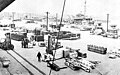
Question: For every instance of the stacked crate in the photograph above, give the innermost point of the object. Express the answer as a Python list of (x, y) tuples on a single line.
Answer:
[(39, 38), (97, 49), (65, 53), (80, 54)]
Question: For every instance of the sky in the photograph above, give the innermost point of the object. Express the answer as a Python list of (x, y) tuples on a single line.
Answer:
[(94, 8)]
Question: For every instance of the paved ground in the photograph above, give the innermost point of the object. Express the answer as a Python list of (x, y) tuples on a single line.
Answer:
[(107, 67), (14, 68)]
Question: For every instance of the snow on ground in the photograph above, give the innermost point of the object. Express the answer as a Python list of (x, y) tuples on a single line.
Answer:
[(108, 66)]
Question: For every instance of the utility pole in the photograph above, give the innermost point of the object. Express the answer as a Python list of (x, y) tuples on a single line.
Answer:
[(47, 21), (107, 21)]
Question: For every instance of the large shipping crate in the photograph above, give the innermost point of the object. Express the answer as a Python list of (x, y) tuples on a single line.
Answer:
[(39, 38), (97, 49)]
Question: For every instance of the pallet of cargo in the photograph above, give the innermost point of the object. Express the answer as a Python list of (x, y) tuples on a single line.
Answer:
[(97, 49), (69, 52)]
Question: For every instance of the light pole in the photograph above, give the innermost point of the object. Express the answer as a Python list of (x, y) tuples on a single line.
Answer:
[(107, 21), (47, 21)]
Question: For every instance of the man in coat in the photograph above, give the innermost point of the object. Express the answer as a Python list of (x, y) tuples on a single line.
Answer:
[(39, 56)]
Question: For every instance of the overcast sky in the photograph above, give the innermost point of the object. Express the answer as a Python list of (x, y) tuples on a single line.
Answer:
[(96, 8)]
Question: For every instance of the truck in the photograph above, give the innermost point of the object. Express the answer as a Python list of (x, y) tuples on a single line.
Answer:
[(70, 53), (97, 30), (79, 63), (5, 45), (114, 53), (53, 66), (111, 33)]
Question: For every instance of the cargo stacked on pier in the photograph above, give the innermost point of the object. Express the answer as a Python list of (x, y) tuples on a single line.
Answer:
[(97, 49)]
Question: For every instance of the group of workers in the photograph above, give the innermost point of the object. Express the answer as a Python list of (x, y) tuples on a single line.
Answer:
[(24, 43)]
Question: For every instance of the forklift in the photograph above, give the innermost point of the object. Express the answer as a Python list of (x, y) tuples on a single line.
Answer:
[(6, 43)]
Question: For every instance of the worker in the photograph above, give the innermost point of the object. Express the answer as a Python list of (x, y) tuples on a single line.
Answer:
[(39, 56), (26, 41), (7, 41), (22, 43)]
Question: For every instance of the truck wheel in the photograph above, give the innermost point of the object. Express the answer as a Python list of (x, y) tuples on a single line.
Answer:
[(11, 47), (88, 70), (72, 66), (66, 63), (57, 69)]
